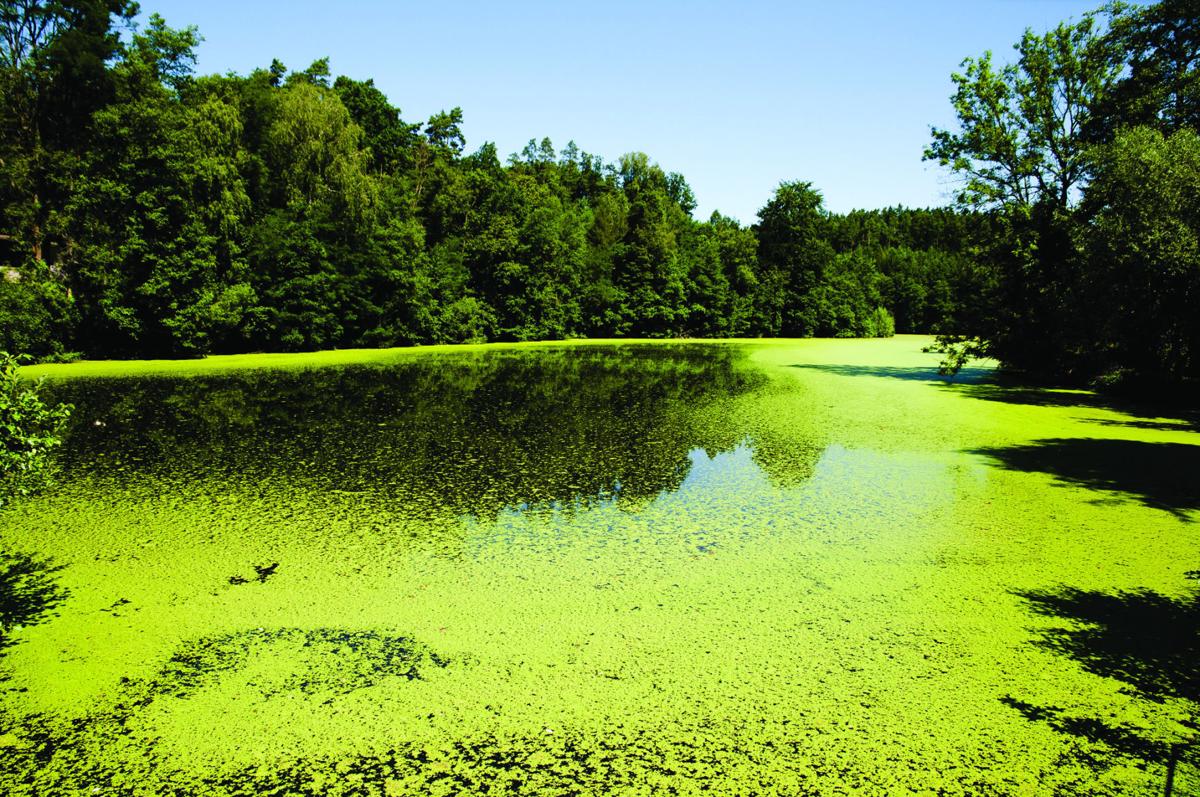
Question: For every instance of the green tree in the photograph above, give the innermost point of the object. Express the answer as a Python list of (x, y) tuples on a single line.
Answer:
[(647, 268), (53, 76), (793, 254), (160, 211), (1021, 152), (316, 156), (737, 247), (1161, 86), (1020, 137), (389, 139), (36, 312), (1144, 249)]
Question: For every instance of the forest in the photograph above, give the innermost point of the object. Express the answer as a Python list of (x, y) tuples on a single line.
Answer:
[(146, 210)]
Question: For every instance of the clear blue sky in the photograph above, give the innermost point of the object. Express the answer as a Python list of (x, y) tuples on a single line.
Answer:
[(737, 96)]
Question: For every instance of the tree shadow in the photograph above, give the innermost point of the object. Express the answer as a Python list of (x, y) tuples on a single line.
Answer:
[(1153, 426), (1165, 411), (28, 593), (1145, 414), (1148, 641), (1159, 475), (1158, 408), (1121, 739), (930, 374)]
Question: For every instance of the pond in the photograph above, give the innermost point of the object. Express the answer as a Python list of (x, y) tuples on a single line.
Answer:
[(765, 567)]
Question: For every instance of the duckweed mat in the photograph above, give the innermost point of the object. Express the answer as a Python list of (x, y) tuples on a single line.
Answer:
[(755, 567)]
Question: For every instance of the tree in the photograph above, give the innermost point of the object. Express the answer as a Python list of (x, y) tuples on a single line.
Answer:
[(1020, 138), (389, 139), (793, 254), (316, 155), (737, 247), (1161, 87), (53, 76), (647, 269), (1022, 154), (36, 313), (1144, 249), (160, 211)]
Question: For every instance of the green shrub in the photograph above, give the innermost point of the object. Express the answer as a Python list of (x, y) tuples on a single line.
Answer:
[(29, 432), (35, 313), (880, 324)]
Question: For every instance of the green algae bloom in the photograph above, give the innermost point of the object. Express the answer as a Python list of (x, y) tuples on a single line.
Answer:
[(756, 567)]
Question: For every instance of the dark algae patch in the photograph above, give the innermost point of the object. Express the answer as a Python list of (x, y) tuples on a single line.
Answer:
[(770, 568)]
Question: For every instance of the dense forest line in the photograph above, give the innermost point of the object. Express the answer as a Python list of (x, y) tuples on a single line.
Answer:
[(146, 210), (150, 211)]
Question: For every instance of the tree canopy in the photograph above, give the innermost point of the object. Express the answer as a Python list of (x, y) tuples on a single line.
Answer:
[(147, 210)]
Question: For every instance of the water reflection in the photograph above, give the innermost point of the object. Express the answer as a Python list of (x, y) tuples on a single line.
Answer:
[(477, 433)]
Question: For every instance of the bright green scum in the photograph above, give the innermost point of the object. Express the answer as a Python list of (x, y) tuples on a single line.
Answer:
[(778, 567)]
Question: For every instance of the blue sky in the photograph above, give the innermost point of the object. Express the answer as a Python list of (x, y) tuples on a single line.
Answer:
[(735, 96)]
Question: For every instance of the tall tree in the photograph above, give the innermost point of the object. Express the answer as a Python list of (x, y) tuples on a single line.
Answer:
[(648, 271), (53, 76), (159, 216), (1021, 153), (793, 254), (1020, 136), (1144, 252)]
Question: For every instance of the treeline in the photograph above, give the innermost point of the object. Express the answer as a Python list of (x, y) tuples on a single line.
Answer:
[(146, 210), (1085, 155)]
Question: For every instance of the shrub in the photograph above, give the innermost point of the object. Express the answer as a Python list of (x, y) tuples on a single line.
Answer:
[(35, 313), (29, 432), (880, 324)]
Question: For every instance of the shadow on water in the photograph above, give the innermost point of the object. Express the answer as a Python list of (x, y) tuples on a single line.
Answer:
[(965, 376), (1162, 414), (1166, 413), (1160, 475), (28, 593), (1149, 642)]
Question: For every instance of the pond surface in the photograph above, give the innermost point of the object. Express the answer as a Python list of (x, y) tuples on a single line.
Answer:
[(781, 567)]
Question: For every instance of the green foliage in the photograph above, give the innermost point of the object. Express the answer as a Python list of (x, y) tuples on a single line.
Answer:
[(147, 211), (35, 311), (161, 209), (1087, 271), (1161, 86), (29, 432), (805, 287), (1018, 141), (53, 76), (1144, 249), (880, 324), (295, 210)]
